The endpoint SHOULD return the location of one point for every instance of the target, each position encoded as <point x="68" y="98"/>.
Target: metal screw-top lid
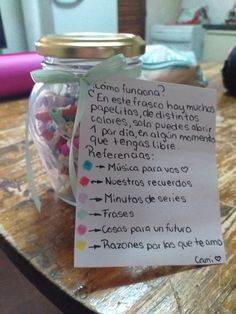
<point x="90" y="45"/>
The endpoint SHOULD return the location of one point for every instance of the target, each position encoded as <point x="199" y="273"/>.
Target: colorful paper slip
<point x="147" y="182"/>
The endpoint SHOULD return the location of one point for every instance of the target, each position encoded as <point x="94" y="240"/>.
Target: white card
<point x="147" y="182"/>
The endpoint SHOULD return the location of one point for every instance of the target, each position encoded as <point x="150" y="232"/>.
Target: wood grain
<point x="41" y="245"/>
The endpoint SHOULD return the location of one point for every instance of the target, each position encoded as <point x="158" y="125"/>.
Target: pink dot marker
<point x="81" y="229"/>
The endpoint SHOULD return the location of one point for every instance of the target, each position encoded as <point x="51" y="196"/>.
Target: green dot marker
<point x="81" y="214"/>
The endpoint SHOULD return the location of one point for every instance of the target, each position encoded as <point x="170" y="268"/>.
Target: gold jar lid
<point x="90" y="45"/>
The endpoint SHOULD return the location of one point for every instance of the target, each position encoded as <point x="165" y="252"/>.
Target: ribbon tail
<point x="129" y="73"/>
<point x="53" y="77"/>
<point x="29" y="171"/>
<point x="81" y="104"/>
<point x="106" y="69"/>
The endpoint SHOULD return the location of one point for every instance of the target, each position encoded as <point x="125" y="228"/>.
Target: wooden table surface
<point x="41" y="245"/>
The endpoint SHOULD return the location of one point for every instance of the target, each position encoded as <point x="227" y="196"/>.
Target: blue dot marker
<point x="87" y="165"/>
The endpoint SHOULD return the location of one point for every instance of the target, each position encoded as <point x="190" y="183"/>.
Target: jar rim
<point x="90" y="45"/>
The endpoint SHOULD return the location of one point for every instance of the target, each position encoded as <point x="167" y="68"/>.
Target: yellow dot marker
<point x="81" y="245"/>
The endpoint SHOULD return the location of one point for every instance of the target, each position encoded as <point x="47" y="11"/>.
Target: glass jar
<point x="53" y="106"/>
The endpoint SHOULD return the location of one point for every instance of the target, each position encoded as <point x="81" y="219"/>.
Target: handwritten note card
<point x="147" y="183"/>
